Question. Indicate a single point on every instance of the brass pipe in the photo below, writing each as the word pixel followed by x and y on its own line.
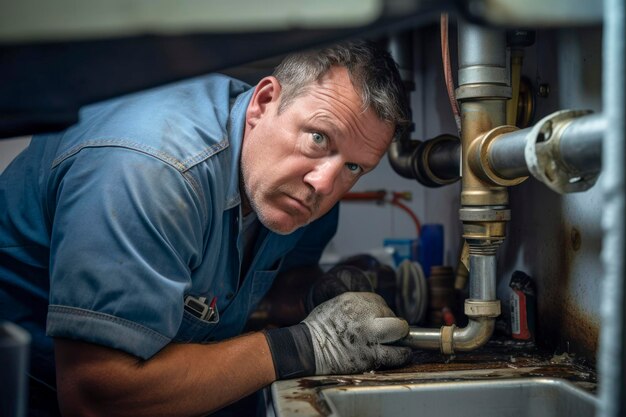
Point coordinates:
pixel 478 117
pixel 517 58
pixel 482 309
pixel 482 93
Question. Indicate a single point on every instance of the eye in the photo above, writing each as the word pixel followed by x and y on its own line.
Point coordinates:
pixel 318 138
pixel 354 168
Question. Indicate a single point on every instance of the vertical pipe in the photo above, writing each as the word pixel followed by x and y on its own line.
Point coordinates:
pixel 480 47
pixel 612 355
pixel 401 152
pixel 482 277
pixel 483 91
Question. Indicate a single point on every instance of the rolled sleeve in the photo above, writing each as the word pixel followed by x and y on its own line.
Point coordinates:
pixel 127 229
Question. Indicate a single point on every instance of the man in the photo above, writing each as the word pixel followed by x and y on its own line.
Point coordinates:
pixel 156 224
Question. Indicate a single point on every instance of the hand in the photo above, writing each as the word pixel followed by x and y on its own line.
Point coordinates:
pixel 338 280
pixel 348 333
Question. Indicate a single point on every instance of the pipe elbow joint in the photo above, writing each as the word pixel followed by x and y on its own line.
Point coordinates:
pixel 482 318
pixel 477 332
pixel 401 155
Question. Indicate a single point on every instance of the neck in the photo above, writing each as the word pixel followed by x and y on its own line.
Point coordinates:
pixel 246 208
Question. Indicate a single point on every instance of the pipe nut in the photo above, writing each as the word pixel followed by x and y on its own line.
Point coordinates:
pixel 481 308
pixel 482 91
pixel 478 158
pixel 485 214
pixel 447 345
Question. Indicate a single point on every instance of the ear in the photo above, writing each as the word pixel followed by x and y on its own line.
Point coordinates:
pixel 264 99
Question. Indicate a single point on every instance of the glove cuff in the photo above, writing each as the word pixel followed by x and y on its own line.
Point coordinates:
pixel 292 351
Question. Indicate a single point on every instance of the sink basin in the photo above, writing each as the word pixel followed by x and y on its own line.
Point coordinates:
pixel 521 397
pixel 476 393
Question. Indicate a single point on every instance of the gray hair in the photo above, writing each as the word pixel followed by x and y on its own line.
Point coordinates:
pixel 373 73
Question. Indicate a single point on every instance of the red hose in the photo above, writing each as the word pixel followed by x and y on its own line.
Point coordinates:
pixel 418 226
pixel 447 71
pixel 380 197
pixel 366 196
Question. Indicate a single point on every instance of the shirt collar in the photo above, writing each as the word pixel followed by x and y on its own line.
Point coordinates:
pixel 236 125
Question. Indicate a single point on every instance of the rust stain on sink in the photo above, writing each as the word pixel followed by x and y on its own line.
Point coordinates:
pixel 303 396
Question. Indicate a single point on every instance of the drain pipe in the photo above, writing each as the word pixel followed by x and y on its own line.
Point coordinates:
pixel 430 162
pixel 484 87
pixel 482 93
pixel 402 151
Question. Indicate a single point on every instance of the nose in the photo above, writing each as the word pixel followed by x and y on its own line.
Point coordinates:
pixel 323 175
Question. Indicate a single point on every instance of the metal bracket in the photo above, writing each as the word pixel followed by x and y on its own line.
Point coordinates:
pixel 543 158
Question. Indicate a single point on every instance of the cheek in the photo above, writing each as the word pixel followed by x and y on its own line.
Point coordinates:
pixel 329 201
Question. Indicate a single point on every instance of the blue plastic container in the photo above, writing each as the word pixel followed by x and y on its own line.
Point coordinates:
pixel 403 249
pixel 430 247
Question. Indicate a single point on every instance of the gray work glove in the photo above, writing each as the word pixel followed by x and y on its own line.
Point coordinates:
pixel 345 334
pixel 340 279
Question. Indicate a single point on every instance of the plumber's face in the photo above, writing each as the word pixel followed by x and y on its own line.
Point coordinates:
pixel 297 163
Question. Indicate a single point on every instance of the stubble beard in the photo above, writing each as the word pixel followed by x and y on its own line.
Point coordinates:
pixel 262 209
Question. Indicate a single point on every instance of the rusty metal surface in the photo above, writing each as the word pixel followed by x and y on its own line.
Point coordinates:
pixel 499 360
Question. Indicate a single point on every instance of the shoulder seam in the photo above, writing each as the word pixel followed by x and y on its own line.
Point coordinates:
pixel 148 150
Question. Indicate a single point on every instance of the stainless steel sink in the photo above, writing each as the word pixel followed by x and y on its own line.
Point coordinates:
pixel 522 397
pixel 486 393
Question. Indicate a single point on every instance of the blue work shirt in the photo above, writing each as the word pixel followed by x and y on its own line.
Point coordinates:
pixel 106 227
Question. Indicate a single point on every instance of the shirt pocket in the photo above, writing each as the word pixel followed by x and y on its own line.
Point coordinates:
pixel 261 284
pixel 195 330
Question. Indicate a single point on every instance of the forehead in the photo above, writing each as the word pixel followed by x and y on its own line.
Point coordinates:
pixel 334 102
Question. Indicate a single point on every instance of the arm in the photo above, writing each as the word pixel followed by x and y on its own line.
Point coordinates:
pixel 182 379
pixel 346 334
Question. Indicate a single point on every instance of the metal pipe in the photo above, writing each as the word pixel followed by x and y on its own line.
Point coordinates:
pixel 421 338
pixel 482 93
pixel 401 152
pixel 482 55
pixel 581 143
pixel 612 352
pixel 400 46
pixel 401 155
pixel 474 335
pixel 579 148
pixel 443 159
pixel 482 309
pixel 477 332
pixel 483 90
pixel 482 277
pixel 484 87
pixel 506 154
pixel 436 161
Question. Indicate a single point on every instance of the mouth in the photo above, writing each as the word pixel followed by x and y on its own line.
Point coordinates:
pixel 295 204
